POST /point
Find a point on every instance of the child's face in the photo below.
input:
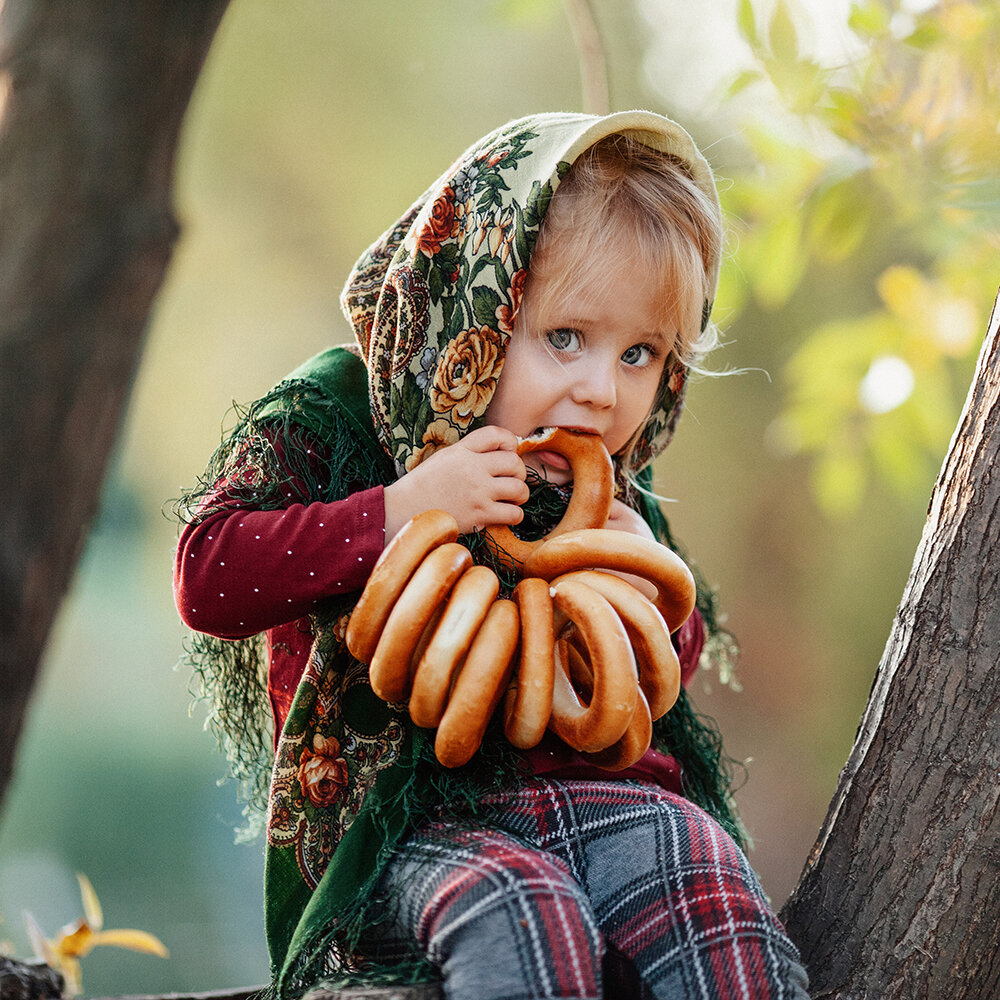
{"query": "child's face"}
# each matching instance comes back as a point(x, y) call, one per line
point(591, 361)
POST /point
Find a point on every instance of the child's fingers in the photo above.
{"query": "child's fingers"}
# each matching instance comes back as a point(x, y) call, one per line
point(503, 464)
point(510, 490)
point(499, 513)
point(490, 438)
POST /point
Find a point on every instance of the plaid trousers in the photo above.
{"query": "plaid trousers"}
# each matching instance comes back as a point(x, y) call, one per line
point(584, 889)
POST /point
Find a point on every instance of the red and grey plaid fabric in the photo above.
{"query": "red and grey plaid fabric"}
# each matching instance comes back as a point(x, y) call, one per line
point(588, 889)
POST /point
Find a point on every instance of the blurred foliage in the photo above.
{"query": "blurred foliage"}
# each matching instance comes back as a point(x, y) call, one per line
point(880, 172)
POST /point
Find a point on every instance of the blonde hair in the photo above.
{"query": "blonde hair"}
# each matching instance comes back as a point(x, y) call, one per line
point(622, 197)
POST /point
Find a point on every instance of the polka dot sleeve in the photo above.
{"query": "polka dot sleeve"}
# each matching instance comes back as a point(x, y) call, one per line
point(241, 571)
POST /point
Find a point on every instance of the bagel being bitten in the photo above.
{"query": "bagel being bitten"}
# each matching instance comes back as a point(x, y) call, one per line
point(590, 501)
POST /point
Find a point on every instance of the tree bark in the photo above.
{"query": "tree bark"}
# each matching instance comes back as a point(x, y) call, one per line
point(900, 897)
point(91, 101)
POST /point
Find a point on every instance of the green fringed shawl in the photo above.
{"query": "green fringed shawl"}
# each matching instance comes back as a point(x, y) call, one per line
point(327, 844)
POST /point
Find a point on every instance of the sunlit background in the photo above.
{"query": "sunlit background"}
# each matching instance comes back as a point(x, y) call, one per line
point(857, 157)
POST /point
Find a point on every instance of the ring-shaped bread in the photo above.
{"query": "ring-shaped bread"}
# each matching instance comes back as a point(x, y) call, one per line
point(464, 614)
point(590, 501)
point(639, 735)
point(603, 548)
point(655, 657)
point(633, 744)
point(528, 701)
point(479, 686)
point(603, 721)
point(390, 668)
point(392, 570)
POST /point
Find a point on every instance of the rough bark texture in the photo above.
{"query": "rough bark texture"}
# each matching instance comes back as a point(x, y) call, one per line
point(900, 896)
point(91, 101)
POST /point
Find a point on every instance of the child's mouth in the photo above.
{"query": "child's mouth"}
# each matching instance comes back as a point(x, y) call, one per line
point(552, 460)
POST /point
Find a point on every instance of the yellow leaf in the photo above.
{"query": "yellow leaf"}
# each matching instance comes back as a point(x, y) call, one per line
point(134, 940)
point(782, 36)
point(91, 905)
point(75, 940)
point(72, 977)
point(868, 19)
point(747, 23)
point(39, 943)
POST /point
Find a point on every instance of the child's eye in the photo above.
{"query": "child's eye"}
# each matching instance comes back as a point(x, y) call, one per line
point(564, 340)
point(639, 355)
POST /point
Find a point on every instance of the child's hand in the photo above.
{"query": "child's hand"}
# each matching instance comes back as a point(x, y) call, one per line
point(479, 481)
point(623, 518)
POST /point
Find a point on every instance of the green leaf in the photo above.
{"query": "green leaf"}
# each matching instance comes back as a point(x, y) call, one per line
point(447, 257)
point(838, 220)
point(435, 284)
point(747, 23)
point(869, 19)
point(926, 35)
point(745, 79)
point(484, 305)
point(782, 37)
point(780, 261)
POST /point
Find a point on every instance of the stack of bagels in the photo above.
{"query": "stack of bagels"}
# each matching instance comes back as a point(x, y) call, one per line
point(577, 649)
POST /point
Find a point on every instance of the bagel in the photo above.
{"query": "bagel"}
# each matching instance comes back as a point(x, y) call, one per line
point(633, 744)
point(394, 567)
point(603, 548)
point(636, 739)
point(528, 701)
point(590, 501)
point(479, 687)
point(655, 657)
point(390, 667)
point(463, 617)
point(603, 721)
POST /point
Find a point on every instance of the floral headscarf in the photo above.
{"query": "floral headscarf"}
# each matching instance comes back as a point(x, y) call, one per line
point(433, 301)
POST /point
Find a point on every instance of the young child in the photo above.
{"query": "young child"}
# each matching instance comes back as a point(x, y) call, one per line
point(560, 273)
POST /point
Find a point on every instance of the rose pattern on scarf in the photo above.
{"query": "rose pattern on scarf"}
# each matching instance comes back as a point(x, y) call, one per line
point(324, 767)
point(467, 374)
point(439, 434)
point(443, 224)
point(506, 312)
point(323, 772)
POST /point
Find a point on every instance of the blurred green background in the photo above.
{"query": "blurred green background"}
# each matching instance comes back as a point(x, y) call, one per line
point(856, 150)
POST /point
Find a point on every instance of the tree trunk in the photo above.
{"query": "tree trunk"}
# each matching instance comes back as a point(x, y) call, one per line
point(900, 896)
point(91, 101)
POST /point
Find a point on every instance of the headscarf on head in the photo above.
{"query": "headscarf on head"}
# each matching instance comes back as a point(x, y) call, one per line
point(432, 303)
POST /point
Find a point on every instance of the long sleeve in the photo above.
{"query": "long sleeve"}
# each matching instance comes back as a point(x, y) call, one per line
point(240, 571)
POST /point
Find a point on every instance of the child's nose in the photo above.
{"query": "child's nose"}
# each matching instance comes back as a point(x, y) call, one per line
point(596, 386)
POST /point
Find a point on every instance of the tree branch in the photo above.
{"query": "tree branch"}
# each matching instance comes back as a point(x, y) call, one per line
point(93, 98)
point(903, 886)
point(590, 53)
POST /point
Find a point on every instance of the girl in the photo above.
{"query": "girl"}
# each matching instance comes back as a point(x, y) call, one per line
point(522, 874)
